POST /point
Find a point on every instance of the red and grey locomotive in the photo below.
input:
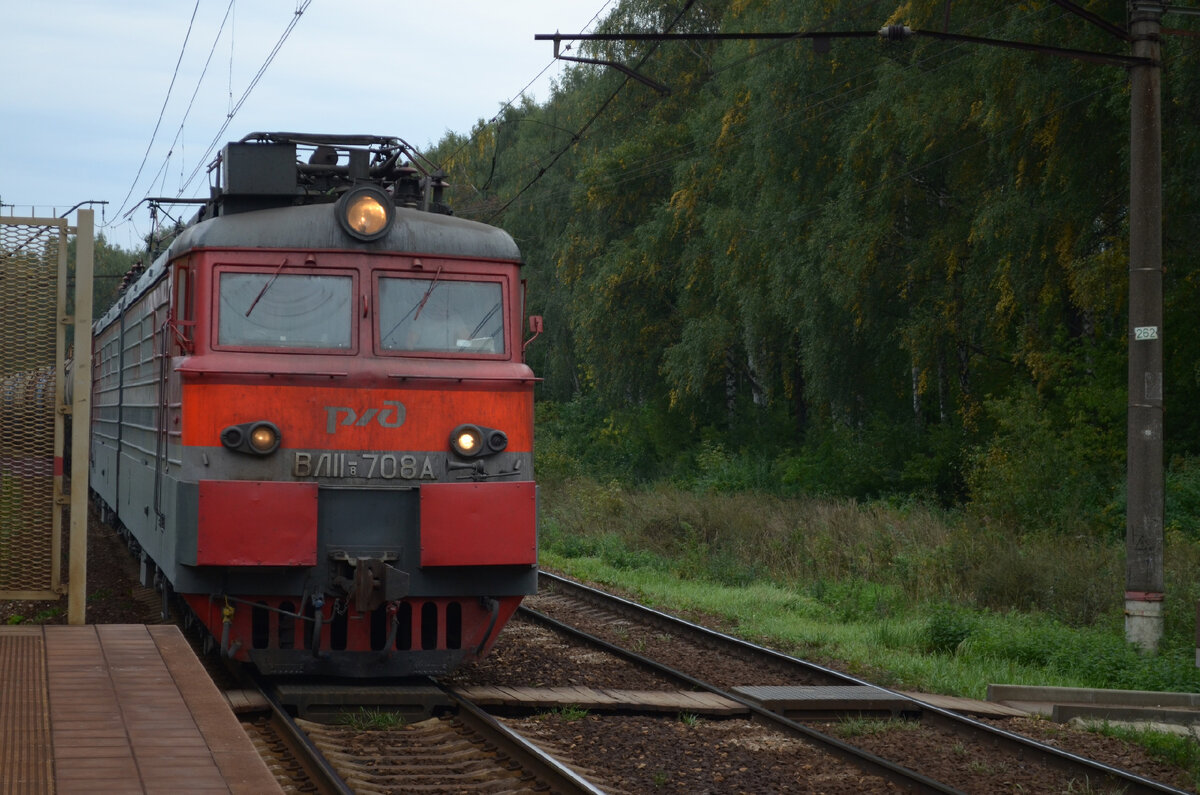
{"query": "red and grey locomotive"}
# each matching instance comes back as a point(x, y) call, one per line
point(312, 417)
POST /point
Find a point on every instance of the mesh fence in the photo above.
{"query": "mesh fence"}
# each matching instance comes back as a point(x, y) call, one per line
point(29, 275)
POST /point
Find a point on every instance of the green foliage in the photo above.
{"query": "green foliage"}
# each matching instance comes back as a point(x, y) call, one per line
point(569, 713)
point(582, 437)
point(870, 727)
point(1183, 497)
point(110, 263)
point(921, 580)
point(1039, 471)
point(367, 719)
point(948, 628)
point(858, 600)
point(873, 460)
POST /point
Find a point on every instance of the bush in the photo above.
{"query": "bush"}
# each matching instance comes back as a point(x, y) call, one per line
point(1040, 472)
point(948, 628)
point(858, 600)
point(1075, 582)
point(876, 460)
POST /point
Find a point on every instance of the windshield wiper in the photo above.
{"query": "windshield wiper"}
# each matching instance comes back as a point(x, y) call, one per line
point(266, 287)
point(416, 307)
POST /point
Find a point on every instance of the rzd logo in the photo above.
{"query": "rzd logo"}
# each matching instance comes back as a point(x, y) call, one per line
point(390, 416)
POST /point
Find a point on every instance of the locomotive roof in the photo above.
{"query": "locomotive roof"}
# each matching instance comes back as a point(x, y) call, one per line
point(267, 199)
point(314, 227)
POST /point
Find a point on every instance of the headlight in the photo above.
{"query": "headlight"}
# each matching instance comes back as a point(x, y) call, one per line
point(255, 438)
point(470, 441)
point(365, 212)
point(264, 438)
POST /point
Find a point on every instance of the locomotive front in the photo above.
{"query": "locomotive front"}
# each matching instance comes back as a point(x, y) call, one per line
point(326, 446)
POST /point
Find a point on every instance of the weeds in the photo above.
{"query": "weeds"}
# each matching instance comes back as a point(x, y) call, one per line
point(898, 577)
point(569, 713)
point(1180, 750)
point(366, 719)
point(869, 727)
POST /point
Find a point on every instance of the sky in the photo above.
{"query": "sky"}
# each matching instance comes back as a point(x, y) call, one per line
point(86, 84)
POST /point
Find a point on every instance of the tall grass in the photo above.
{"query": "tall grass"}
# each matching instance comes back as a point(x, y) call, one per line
point(924, 597)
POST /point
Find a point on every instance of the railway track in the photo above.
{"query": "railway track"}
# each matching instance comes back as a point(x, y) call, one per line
point(463, 751)
point(711, 661)
point(468, 751)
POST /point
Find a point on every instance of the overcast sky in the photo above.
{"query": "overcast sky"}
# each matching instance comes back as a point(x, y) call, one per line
point(85, 83)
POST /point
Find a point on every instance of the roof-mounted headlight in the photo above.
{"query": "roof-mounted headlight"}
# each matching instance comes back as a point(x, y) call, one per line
point(365, 212)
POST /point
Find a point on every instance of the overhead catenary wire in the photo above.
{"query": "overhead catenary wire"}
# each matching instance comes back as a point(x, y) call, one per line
point(299, 12)
point(191, 102)
point(467, 141)
point(599, 111)
point(161, 112)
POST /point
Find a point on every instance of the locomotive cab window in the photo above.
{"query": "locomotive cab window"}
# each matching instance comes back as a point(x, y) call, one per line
point(441, 316)
point(285, 310)
point(183, 310)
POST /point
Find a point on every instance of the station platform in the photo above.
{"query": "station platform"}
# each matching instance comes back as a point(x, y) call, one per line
point(117, 708)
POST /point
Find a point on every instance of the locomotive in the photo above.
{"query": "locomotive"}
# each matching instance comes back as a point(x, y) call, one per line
point(312, 419)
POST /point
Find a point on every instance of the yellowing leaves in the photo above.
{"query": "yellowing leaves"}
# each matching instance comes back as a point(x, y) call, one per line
point(734, 118)
point(1047, 136)
point(1006, 298)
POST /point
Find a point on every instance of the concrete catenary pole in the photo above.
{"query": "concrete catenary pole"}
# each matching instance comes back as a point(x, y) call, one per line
point(1144, 445)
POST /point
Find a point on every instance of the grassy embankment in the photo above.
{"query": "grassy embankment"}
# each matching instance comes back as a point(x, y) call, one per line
point(907, 596)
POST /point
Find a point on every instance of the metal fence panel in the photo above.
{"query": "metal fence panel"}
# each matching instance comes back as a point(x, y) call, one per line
point(33, 259)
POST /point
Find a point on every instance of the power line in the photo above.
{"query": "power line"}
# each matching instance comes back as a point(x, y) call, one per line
point(299, 12)
point(171, 149)
point(521, 93)
point(161, 112)
point(599, 111)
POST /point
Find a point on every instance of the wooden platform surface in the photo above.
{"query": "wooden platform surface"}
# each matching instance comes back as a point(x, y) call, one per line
point(116, 708)
point(784, 699)
point(971, 706)
point(600, 699)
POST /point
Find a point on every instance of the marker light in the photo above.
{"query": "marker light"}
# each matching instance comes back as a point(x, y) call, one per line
point(255, 438)
point(365, 212)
